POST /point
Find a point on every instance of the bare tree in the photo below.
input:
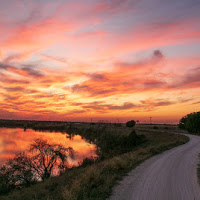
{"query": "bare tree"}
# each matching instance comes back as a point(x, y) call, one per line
point(35, 165)
point(47, 157)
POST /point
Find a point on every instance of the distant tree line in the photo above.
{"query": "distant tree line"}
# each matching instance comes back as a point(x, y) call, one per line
point(191, 122)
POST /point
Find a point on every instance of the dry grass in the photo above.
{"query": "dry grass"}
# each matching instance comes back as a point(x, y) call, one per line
point(198, 170)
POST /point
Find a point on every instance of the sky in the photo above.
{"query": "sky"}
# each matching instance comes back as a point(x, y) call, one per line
point(90, 60)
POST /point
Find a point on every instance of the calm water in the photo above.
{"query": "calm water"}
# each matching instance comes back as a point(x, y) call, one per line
point(17, 140)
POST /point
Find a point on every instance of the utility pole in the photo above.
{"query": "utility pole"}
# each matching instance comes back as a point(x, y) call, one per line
point(150, 118)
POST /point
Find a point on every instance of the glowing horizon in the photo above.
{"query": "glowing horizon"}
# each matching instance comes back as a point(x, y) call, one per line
point(99, 59)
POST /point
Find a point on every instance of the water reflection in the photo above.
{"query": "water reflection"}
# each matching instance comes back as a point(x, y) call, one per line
point(17, 140)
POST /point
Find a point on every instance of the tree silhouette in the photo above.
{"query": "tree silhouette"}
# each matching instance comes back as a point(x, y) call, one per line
point(130, 123)
point(17, 172)
point(34, 165)
point(191, 122)
point(47, 157)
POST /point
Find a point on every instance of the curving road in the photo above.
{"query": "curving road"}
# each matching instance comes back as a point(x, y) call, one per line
point(171, 175)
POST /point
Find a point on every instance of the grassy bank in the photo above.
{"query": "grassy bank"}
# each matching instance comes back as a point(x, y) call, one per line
point(198, 170)
point(96, 181)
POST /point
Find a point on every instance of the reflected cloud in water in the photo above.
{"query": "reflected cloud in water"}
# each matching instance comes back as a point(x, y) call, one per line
point(16, 140)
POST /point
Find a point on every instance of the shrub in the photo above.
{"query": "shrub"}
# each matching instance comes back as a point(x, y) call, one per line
point(130, 123)
point(87, 161)
point(182, 122)
point(117, 124)
point(191, 122)
point(155, 127)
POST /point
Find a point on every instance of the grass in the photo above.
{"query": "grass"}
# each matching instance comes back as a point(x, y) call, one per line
point(198, 170)
point(95, 181)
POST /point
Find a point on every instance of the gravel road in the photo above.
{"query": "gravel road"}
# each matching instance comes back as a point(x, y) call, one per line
point(171, 175)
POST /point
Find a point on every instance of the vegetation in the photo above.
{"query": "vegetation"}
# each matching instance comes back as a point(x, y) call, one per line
point(58, 126)
point(94, 180)
point(37, 164)
point(155, 127)
point(198, 170)
point(111, 141)
point(130, 123)
point(191, 122)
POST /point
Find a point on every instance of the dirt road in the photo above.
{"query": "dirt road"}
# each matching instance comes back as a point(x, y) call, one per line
point(171, 175)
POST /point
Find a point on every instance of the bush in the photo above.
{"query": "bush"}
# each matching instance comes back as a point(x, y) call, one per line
point(130, 123)
point(182, 122)
point(87, 161)
point(117, 124)
point(155, 127)
point(191, 122)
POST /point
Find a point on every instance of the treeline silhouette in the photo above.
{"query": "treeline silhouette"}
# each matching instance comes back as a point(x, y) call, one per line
point(36, 125)
point(191, 123)
point(57, 126)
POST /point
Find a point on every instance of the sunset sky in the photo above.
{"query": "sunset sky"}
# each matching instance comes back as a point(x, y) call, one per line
point(101, 59)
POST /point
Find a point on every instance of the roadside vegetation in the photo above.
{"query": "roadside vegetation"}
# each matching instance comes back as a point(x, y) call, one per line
point(191, 123)
point(120, 149)
point(198, 169)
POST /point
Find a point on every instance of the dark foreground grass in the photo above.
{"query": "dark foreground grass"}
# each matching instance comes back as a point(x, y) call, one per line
point(95, 182)
point(198, 170)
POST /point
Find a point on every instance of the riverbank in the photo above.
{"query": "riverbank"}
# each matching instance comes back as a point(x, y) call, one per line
point(96, 180)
